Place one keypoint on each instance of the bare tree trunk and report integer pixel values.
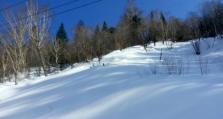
(161, 54)
(16, 78)
(42, 59)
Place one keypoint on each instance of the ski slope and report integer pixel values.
(128, 84)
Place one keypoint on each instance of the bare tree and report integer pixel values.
(82, 43)
(154, 26)
(15, 42)
(164, 26)
(56, 51)
(38, 29)
(144, 35)
(4, 63)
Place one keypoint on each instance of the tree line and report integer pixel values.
(26, 45)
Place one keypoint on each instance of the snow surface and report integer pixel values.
(132, 84)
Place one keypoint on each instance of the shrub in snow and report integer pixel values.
(154, 69)
(173, 65)
(161, 54)
(208, 44)
(196, 47)
(203, 65)
(169, 64)
(169, 44)
(180, 66)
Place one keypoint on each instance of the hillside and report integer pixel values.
(127, 84)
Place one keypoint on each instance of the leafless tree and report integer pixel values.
(38, 29)
(4, 63)
(164, 27)
(56, 51)
(144, 35)
(15, 42)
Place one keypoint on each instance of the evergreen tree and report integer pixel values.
(62, 35)
(61, 42)
(105, 26)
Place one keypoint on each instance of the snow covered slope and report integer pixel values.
(132, 84)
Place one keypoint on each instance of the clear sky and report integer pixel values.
(111, 10)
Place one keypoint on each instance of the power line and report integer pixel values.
(23, 1)
(63, 4)
(50, 9)
(75, 8)
(13, 5)
(62, 12)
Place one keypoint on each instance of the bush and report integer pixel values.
(196, 47)
(173, 65)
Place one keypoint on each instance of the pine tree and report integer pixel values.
(105, 26)
(62, 35)
(61, 42)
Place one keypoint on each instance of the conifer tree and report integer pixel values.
(61, 34)
(61, 44)
(105, 26)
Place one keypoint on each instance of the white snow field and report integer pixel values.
(132, 84)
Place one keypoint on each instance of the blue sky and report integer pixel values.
(111, 10)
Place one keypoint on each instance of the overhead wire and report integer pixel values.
(61, 12)
(12, 5)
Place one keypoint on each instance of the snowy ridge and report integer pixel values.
(133, 84)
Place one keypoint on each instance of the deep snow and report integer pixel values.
(133, 84)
